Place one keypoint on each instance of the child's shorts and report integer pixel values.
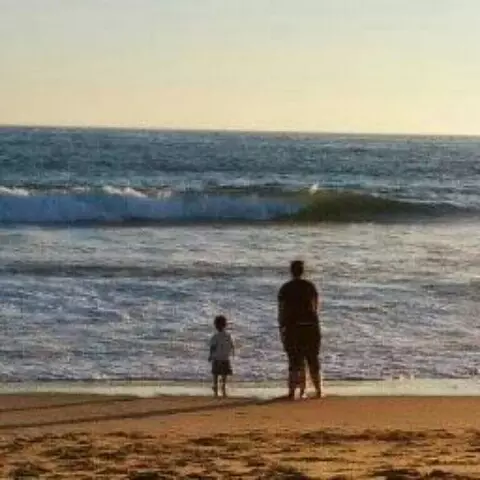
(221, 367)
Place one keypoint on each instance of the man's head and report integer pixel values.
(297, 268)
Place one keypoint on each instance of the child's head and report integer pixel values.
(220, 323)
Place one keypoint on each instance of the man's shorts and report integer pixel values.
(302, 344)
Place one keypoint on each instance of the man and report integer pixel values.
(300, 327)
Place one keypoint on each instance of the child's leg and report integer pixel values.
(224, 385)
(215, 385)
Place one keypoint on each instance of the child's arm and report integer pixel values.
(232, 345)
(211, 349)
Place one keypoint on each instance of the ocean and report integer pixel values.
(118, 247)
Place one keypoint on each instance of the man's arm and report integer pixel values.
(314, 299)
(281, 315)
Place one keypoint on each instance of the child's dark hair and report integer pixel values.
(220, 322)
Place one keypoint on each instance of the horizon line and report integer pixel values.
(140, 128)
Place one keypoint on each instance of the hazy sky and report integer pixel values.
(311, 65)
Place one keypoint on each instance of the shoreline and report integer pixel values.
(265, 390)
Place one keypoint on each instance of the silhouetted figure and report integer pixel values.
(221, 349)
(300, 328)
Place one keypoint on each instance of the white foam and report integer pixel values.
(13, 191)
(123, 191)
(124, 204)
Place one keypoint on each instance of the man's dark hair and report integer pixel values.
(220, 323)
(297, 268)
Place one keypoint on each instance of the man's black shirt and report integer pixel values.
(298, 300)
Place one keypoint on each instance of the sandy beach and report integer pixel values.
(102, 437)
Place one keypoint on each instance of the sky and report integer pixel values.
(366, 66)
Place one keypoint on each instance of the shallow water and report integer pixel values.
(130, 303)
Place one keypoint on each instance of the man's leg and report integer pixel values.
(313, 360)
(292, 372)
(314, 368)
(224, 385)
(302, 379)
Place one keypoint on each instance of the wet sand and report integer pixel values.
(103, 437)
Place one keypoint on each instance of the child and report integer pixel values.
(221, 349)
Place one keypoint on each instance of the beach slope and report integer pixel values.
(100, 437)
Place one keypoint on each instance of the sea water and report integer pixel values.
(117, 248)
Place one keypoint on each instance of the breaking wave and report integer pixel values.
(128, 206)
